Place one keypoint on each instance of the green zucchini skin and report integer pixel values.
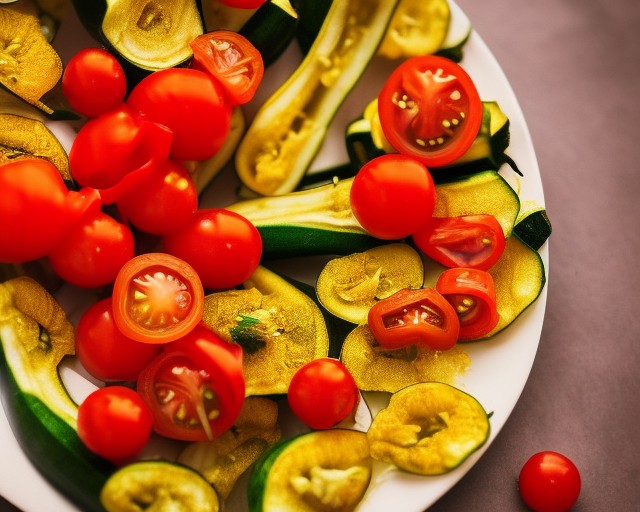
(52, 445)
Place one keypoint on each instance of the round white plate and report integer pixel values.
(499, 369)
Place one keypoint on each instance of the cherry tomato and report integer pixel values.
(94, 82)
(104, 351)
(196, 388)
(163, 202)
(232, 59)
(93, 252)
(243, 4)
(393, 196)
(429, 108)
(409, 317)
(37, 210)
(222, 246)
(323, 393)
(157, 298)
(115, 423)
(472, 294)
(549, 482)
(115, 144)
(473, 241)
(191, 104)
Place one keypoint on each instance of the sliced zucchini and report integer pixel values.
(350, 285)
(458, 34)
(289, 128)
(533, 226)
(327, 470)
(158, 485)
(216, 15)
(428, 429)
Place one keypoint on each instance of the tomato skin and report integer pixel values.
(322, 393)
(163, 202)
(177, 383)
(222, 246)
(157, 298)
(430, 109)
(115, 423)
(549, 482)
(94, 82)
(104, 351)
(37, 210)
(243, 4)
(191, 104)
(421, 316)
(231, 59)
(473, 241)
(472, 294)
(92, 254)
(393, 196)
(113, 145)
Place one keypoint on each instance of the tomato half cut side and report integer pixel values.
(157, 298)
(430, 109)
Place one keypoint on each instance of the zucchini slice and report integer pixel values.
(458, 34)
(533, 226)
(289, 128)
(327, 470)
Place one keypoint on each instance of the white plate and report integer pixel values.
(500, 367)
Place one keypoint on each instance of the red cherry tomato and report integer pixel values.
(104, 351)
(232, 59)
(410, 317)
(429, 108)
(549, 482)
(393, 196)
(115, 423)
(196, 388)
(163, 202)
(115, 144)
(191, 104)
(473, 241)
(323, 393)
(94, 82)
(157, 298)
(222, 246)
(92, 254)
(243, 4)
(37, 210)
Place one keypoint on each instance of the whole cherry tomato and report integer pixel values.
(115, 423)
(92, 253)
(196, 388)
(393, 196)
(191, 104)
(37, 210)
(231, 59)
(157, 298)
(323, 393)
(94, 82)
(104, 351)
(549, 482)
(222, 246)
(429, 108)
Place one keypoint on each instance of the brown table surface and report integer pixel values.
(574, 67)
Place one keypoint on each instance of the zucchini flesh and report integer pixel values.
(289, 128)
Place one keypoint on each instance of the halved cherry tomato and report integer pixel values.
(94, 82)
(222, 246)
(231, 59)
(393, 196)
(196, 388)
(191, 104)
(104, 351)
(473, 241)
(549, 482)
(115, 423)
(157, 298)
(323, 393)
(472, 294)
(429, 108)
(414, 317)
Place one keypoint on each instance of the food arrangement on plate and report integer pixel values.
(261, 254)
